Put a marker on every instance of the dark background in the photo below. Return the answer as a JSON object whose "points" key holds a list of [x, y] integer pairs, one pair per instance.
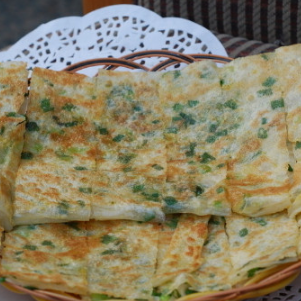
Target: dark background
{"points": [[19, 17]]}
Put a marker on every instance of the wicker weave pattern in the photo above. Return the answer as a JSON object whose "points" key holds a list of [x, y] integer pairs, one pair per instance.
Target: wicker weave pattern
{"points": [[276, 21], [238, 47]]}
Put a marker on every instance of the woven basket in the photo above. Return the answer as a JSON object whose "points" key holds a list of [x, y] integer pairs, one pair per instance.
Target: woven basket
{"points": [[264, 283]]}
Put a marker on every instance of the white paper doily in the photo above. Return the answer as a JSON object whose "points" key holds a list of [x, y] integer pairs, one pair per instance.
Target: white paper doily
{"points": [[113, 31]]}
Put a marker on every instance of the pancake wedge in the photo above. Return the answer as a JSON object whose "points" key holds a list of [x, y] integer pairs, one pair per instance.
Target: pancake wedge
{"points": [[214, 273], [50, 256], [165, 236], [255, 243], [183, 255], [121, 259], [257, 169], [11, 143]]}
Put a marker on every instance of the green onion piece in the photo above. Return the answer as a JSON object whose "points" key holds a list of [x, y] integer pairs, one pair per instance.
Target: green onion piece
{"points": [[199, 190], [269, 82], [68, 106], [32, 126], [45, 105], [243, 232], [26, 155], [118, 138], [169, 200], [106, 239], [265, 92], [262, 133], [231, 104], [87, 190], [278, 103], [206, 158]]}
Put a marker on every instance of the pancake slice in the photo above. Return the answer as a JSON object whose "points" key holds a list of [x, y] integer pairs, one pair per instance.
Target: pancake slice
{"points": [[165, 236], [257, 174], [54, 181], [50, 256], [132, 116], [13, 86], [184, 252], [50, 193], [11, 144], [121, 259], [214, 273], [257, 243], [287, 59], [60, 110], [197, 140], [131, 155]]}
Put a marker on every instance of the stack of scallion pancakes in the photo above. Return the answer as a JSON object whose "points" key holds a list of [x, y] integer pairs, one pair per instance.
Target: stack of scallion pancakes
{"points": [[141, 185]]}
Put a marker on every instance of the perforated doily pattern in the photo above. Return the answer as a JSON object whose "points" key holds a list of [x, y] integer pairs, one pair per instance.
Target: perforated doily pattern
{"points": [[112, 31]]}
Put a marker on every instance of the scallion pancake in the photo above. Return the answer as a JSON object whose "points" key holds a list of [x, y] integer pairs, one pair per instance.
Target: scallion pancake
{"points": [[131, 158], [183, 255], [196, 140], [257, 169], [49, 193], [287, 60], [122, 258], [132, 117], [50, 256], [54, 181], [214, 273], [262, 242]]}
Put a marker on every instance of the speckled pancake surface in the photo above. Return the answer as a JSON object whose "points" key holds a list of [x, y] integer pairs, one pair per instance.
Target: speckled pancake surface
{"points": [[257, 170], [58, 161], [288, 60], [122, 258], [195, 140], [256, 243], [183, 255], [13, 86], [131, 161], [214, 273], [50, 256]]}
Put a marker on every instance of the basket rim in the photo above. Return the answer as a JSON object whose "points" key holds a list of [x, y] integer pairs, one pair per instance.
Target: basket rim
{"points": [[290, 270], [129, 60]]}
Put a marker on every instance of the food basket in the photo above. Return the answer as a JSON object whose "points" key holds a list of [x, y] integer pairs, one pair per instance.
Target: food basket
{"points": [[264, 283]]}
